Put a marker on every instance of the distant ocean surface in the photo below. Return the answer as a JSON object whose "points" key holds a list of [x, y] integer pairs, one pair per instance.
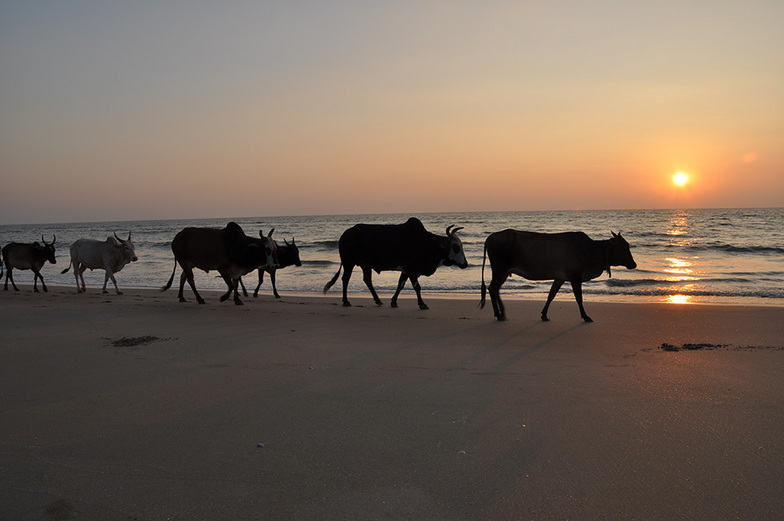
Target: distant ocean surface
{"points": [[733, 256]]}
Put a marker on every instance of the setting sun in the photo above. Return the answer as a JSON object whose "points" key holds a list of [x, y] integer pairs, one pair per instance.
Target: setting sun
{"points": [[680, 179]]}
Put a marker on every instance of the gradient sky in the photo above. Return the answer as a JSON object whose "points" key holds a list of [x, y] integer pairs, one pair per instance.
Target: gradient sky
{"points": [[178, 109]]}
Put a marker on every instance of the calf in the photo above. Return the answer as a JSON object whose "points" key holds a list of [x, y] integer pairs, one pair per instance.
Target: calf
{"points": [[288, 255]]}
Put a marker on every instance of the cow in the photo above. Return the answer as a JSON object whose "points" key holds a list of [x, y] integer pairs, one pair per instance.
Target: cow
{"points": [[571, 256], [110, 255], [288, 255], [28, 257], [407, 247], [227, 250]]}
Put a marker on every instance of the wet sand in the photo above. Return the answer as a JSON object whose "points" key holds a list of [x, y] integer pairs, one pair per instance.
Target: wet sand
{"points": [[137, 407]]}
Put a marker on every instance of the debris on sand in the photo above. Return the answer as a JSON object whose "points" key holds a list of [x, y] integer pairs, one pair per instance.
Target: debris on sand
{"points": [[692, 347], [135, 341], [708, 347]]}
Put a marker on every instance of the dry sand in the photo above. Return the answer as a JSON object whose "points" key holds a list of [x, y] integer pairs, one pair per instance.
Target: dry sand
{"points": [[137, 407]]}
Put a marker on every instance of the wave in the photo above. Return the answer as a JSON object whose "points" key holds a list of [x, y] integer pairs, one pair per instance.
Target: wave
{"points": [[664, 292], [630, 283], [725, 248]]}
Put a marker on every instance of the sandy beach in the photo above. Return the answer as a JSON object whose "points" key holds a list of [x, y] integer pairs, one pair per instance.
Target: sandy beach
{"points": [[137, 407]]}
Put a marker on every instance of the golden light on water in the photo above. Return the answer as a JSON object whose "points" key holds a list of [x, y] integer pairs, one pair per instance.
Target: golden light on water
{"points": [[679, 270], [678, 299]]}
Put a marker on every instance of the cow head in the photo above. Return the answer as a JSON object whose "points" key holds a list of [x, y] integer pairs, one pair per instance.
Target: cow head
{"points": [[127, 247], [291, 253], [618, 253], [270, 249], [47, 249], [456, 255]]}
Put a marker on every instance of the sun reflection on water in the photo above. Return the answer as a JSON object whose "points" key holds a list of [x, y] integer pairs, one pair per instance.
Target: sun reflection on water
{"points": [[678, 299], [679, 228], [679, 269]]}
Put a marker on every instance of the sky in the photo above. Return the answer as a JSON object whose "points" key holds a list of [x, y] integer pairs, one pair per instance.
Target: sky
{"points": [[185, 109]]}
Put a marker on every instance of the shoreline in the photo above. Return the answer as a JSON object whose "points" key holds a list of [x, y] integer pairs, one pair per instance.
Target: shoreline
{"points": [[138, 406], [361, 292]]}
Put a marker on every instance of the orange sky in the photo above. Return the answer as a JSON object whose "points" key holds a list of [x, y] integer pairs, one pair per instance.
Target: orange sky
{"points": [[135, 111]]}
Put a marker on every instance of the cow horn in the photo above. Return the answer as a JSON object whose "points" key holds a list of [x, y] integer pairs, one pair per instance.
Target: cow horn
{"points": [[449, 230], [129, 236], [54, 239], [270, 233], [118, 239]]}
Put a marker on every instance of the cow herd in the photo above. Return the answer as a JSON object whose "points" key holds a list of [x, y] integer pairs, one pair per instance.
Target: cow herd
{"points": [[408, 248]]}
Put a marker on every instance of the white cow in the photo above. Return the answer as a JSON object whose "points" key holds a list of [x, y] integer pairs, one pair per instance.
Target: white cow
{"points": [[110, 255]]}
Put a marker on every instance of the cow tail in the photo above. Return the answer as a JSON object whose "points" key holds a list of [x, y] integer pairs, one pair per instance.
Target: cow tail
{"points": [[484, 286], [334, 279], [171, 279], [67, 268]]}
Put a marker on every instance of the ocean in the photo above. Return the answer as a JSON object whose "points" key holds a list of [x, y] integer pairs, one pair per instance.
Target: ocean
{"points": [[732, 256]]}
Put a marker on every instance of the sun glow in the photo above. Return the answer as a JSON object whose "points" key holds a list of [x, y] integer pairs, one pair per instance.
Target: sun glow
{"points": [[680, 179]]}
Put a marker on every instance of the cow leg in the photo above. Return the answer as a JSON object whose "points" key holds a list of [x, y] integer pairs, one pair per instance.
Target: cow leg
{"points": [[233, 285], [347, 269], [367, 276], [37, 275], [110, 275], [418, 289], [495, 297], [183, 278], [242, 285], [274, 287], [553, 290], [400, 283], [237, 301], [79, 270], [187, 274], [577, 287], [261, 281], [9, 273]]}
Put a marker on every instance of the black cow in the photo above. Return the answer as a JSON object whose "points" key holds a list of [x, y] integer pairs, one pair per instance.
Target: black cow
{"points": [[407, 247], [227, 250], [28, 257], [288, 255], [571, 256]]}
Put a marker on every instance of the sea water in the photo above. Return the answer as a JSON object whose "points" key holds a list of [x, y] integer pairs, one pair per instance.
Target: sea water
{"points": [[706, 255]]}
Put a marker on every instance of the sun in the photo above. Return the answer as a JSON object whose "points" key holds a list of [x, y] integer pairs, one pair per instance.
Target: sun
{"points": [[680, 179]]}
